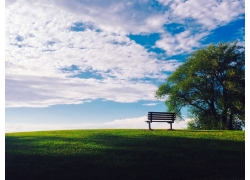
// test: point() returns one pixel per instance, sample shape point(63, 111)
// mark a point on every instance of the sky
point(84, 64)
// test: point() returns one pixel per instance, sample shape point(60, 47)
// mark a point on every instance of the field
point(125, 154)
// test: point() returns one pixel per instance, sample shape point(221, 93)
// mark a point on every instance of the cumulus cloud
point(183, 42)
point(200, 11)
point(200, 18)
point(50, 45)
point(42, 48)
point(111, 15)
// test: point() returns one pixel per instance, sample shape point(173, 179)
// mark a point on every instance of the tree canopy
point(211, 84)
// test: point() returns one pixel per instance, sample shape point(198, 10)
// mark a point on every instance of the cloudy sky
point(83, 64)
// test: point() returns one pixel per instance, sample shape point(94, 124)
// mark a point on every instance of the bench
point(160, 117)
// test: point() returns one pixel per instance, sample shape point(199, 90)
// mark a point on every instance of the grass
point(125, 154)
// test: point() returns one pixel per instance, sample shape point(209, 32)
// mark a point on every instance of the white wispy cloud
point(129, 123)
point(150, 104)
point(45, 91)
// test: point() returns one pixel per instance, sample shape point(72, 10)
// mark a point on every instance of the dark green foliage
point(211, 84)
point(125, 154)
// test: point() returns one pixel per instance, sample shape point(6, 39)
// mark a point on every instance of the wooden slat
point(163, 121)
point(151, 114)
point(160, 113)
point(161, 116)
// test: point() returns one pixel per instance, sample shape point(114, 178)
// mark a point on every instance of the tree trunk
point(230, 122)
point(224, 120)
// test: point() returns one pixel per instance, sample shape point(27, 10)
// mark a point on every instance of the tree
point(211, 84)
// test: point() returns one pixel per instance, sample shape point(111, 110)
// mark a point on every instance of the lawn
point(125, 154)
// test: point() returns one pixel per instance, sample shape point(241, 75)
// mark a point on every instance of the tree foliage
point(211, 84)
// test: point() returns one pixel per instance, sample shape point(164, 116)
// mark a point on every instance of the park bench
point(160, 117)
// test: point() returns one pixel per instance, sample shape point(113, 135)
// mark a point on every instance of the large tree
point(211, 84)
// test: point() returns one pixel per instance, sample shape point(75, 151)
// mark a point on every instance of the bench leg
point(170, 125)
point(149, 126)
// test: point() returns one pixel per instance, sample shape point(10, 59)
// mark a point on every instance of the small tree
point(211, 84)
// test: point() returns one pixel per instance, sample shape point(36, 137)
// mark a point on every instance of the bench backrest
point(161, 116)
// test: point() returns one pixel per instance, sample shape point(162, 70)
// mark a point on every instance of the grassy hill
point(125, 154)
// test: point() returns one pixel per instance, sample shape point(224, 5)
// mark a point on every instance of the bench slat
point(161, 119)
point(161, 112)
point(161, 116)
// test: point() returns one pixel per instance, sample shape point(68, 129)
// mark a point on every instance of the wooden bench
point(160, 117)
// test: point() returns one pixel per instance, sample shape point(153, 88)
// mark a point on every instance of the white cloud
point(183, 42)
point(43, 91)
point(111, 15)
point(40, 45)
point(139, 123)
point(209, 14)
point(130, 123)
point(200, 18)
point(150, 104)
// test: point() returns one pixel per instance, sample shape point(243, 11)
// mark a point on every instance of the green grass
point(125, 154)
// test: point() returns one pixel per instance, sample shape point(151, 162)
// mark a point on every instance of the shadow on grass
point(113, 156)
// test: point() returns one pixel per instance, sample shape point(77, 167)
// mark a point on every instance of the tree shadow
point(113, 156)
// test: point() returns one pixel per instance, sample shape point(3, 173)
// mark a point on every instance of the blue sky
point(97, 64)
